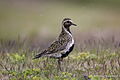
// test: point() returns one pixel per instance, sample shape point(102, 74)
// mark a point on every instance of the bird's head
point(67, 22)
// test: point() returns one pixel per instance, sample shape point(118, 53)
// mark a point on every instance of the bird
point(63, 45)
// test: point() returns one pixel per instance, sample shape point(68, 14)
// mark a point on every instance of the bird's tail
point(40, 54)
point(37, 56)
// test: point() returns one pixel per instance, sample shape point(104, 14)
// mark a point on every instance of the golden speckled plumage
point(60, 45)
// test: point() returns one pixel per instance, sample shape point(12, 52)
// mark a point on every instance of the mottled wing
point(57, 46)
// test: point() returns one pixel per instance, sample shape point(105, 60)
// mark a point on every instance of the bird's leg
point(59, 64)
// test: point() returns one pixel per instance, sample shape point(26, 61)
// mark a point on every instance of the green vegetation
point(104, 65)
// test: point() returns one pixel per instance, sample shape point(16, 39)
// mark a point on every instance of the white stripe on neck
point(69, 43)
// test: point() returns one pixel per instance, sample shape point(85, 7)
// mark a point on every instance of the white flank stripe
point(70, 43)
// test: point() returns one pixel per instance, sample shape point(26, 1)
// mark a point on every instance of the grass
point(16, 64)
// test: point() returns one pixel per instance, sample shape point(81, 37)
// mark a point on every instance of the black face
point(67, 22)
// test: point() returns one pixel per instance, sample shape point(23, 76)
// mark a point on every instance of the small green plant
point(18, 66)
point(16, 57)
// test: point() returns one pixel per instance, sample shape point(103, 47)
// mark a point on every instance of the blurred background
point(39, 21)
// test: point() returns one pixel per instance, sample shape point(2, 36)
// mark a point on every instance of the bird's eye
point(68, 21)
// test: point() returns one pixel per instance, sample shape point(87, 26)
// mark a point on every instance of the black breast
point(66, 54)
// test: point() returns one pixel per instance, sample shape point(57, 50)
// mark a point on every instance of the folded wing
point(54, 49)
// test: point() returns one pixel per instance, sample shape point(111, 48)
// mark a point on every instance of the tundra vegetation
point(98, 62)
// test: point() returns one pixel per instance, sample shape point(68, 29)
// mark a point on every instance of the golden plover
point(63, 45)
